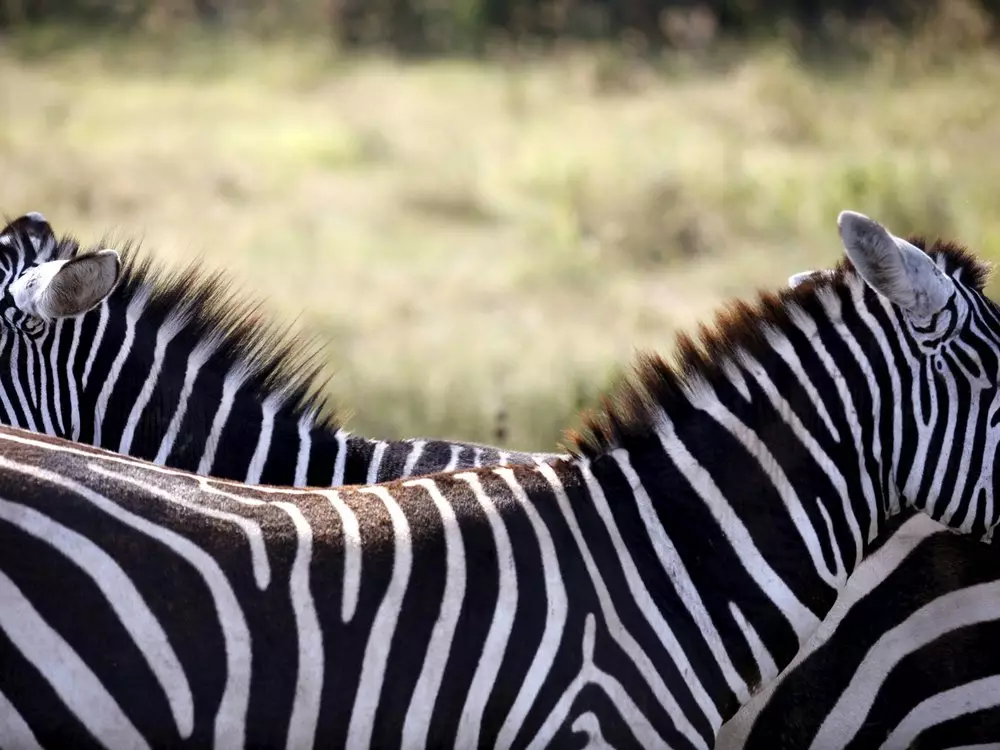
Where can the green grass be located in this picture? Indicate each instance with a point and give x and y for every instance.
(472, 238)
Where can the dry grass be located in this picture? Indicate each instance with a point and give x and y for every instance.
(475, 236)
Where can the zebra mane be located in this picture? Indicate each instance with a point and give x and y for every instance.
(203, 305)
(636, 406)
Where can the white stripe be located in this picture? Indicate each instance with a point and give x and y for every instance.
(416, 449)
(340, 462)
(7, 405)
(376, 462)
(268, 410)
(311, 657)
(124, 599)
(418, 716)
(372, 678)
(971, 426)
(352, 554)
(74, 397)
(943, 706)
(965, 456)
(736, 378)
(453, 461)
(233, 382)
(555, 617)
(70, 677)
(29, 356)
(14, 730)
(132, 312)
(55, 368)
(195, 361)
(45, 408)
(938, 465)
(615, 627)
(95, 343)
(503, 620)
(305, 450)
(676, 571)
(766, 667)
(164, 336)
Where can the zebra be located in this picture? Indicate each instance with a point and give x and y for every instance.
(906, 655)
(700, 529)
(907, 658)
(105, 348)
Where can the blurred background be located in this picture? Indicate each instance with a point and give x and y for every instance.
(484, 207)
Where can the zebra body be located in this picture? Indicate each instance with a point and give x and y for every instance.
(635, 594)
(310, 618)
(174, 370)
(906, 658)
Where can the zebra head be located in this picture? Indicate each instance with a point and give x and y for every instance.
(948, 339)
(44, 279)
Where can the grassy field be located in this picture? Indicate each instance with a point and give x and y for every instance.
(471, 237)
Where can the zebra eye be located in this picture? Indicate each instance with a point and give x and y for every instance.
(939, 364)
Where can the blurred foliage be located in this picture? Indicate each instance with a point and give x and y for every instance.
(483, 243)
(421, 27)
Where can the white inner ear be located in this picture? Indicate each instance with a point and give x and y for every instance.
(893, 267)
(65, 288)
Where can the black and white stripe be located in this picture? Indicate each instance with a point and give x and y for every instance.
(174, 370)
(634, 595)
(906, 658)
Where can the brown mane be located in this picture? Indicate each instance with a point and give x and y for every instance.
(277, 362)
(739, 327)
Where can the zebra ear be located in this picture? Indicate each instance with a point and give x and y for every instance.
(894, 268)
(64, 288)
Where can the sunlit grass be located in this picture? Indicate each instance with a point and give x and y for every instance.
(478, 237)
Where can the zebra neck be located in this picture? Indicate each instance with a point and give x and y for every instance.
(751, 505)
(215, 428)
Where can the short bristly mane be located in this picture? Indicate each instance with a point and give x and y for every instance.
(203, 305)
(739, 327)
